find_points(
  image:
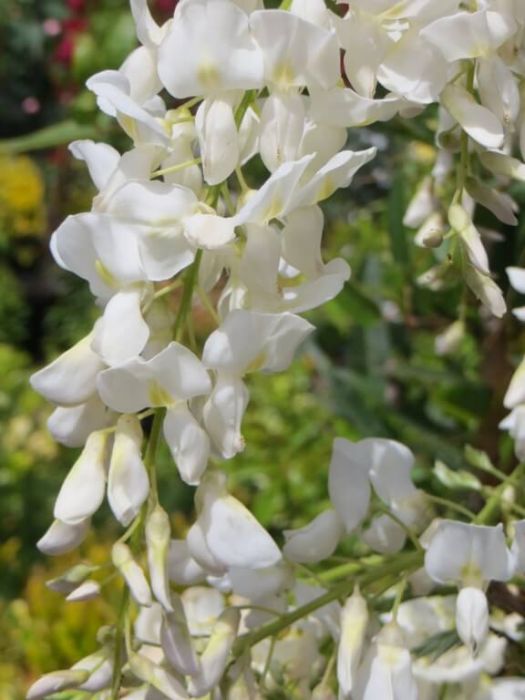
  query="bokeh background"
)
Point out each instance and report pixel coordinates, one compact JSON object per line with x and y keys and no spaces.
{"x":371,"y":368}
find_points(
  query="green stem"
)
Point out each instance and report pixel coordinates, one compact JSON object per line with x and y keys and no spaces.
{"x":492,"y":505}
{"x":187,"y":296}
{"x":176,"y":168}
{"x":398,"y":564}
{"x":151,"y":451}
{"x":464,"y":162}
{"x":119,"y":645}
{"x":248,"y":97}
{"x":451,"y":505}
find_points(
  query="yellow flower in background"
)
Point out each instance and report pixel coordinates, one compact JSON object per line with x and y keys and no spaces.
{"x":22,"y":190}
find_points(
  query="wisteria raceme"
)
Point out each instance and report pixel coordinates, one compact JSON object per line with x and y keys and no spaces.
{"x":226,"y":613}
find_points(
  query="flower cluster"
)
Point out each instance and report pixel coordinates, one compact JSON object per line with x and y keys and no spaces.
{"x":225,"y":612}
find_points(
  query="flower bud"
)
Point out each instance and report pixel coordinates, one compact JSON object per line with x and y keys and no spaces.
{"x":354,"y":621}
{"x":158,"y":534}
{"x":61,"y":537}
{"x":86,"y":591}
{"x":215,"y":656}
{"x":83,"y":489}
{"x":177,"y":643}
{"x":472,"y":617}
{"x":53,"y":682}
{"x":132,"y":573}
{"x":128,"y":483}
{"x":149,"y":672}
{"x":71,"y":579}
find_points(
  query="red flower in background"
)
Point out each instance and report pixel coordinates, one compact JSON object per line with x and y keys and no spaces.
{"x":165,"y":7}
{"x":70,"y":29}
{"x":76,"y":5}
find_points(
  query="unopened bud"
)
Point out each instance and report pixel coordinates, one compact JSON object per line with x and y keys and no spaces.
{"x":158,"y":533}
{"x":132,"y":573}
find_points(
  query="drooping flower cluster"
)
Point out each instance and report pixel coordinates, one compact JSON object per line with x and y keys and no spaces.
{"x":175,"y":214}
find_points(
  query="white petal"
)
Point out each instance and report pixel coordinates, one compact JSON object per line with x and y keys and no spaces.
{"x":387,"y":672}
{"x":177,"y":642}
{"x":315,"y":292}
{"x":174,"y":373}
{"x":501,"y":164}
{"x":133,"y":575}
{"x":156,"y":204}
{"x":54,"y":682}
{"x":365,"y":42}
{"x":390,"y":470}
{"x":100,"y":158}
{"x":249,"y":340}
{"x":516,"y":277}
{"x":180,"y":372}
{"x":486,"y":290}
{"x":296,"y":52}
{"x":86,"y":591}
{"x":259,"y":265}
{"x":70,"y":379}
{"x":148,"y":31}
{"x":128,"y":483}
{"x":61,"y":538}
{"x":469,"y":34}
{"x":515,"y":394}
{"x":164,"y":251}
{"x":72,"y":426}
{"x":273,"y":198}
{"x":472,"y":617}
{"x":218,"y":139}
{"x":301,"y":240}
{"x":348,"y":483}
{"x":223,"y":413}
{"x":384,"y":535}
{"x":315,"y":541}
{"x":282,"y":125}
{"x":208,"y":48}
{"x":498,"y":90}
{"x":82,"y":491}
{"x":518,"y":546}
{"x":338,"y":172}
{"x":479,"y":122}
{"x":345,"y":107}
{"x":215,"y":656}
{"x":188,"y":443}
{"x":200,"y":552}
{"x":157,"y":677}
{"x":126,"y":389}
{"x":418,"y":79}
{"x":158,"y":534}
{"x":259,"y":584}
{"x":232,"y":533}
{"x":209,"y":231}
{"x":115,"y":97}
{"x":354,"y":621}
{"x":501,"y":204}
{"x":183,"y":569}
{"x":122,"y":332}
{"x":468,"y":553}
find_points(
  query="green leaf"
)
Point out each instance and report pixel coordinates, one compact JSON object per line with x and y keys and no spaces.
{"x":456,"y":479}
{"x":437,"y":645}
{"x":48,"y":137}
{"x":396,"y":229}
{"x":478,"y":459}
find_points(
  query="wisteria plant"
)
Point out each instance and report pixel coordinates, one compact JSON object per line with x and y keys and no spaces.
{"x":226,"y":613}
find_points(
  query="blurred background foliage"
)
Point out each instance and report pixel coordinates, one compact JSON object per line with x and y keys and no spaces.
{"x":371,"y":369}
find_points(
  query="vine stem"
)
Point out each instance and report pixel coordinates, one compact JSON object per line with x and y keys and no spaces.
{"x":397,"y":564}
{"x":187,"y":296}
{"x":491,"y":506}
